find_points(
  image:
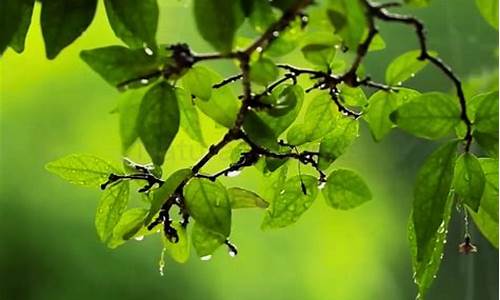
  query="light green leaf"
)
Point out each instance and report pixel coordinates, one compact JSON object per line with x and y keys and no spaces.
{"x":262,"y":15}
{"x":223,"y":105}
{"x":263,"y":71}
{"x":486,"y":225}
{"x":418,"y":3}
{"x":335,"y":143}
{"x":133,"y":21}
{"x":319,"y":54}
{"x":381,"y":105}
{"x":489,"y":11}
{"x":82,"y":169}
{"x":117,"y":64}
{"x":404,"y":67}
{"x":345,"y":190}
{"x":63,"y":22}
{"x":178,"y":251}
{"x":352,"y":96}
{"x":127,"y":227}
{"x":426,"y":269}
{"x":205,"y":241}
{"x":377,"y":43}
{"x":190,"y":121}
{"x":432,"y":115}
{"x":128,"y":108}
{"x":320,"y":117}
{"x":17,"y":41}
{"x":469,"y":180}
{"x":208,"y":203}
{"x":198,"y":81}
{"x":158,"y":120}
{"x":291,"y":202}
{"x":486,"y":115}
{"x":218,"y":31}
{"x":241,"y":198}
{"x":165,"y":191}
{"x":349,"y":21}
{"x":286,"y":42}
{"x":431,"y":191}
{"x":113,"y":202}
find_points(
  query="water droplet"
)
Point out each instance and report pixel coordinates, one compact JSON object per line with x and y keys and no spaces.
{"x":282,"y":192}
{"x":276,"y":33}
{"x":259,"y":49}
{"x":291,"y":207}
{"x":232,"y":253}
{"x":233,"y":173}
{"x":412,"y":75}
{"x":467,"y":177}
{"x":161,"y":263}
{"x":400,"y":83}
{"x":206,"y":257}
{"x":144,"y":81}
{"x":337,"y":46}
{"x":148,"y":51}
{"x":322,"y":185}
{"x":139,"y":238}
{"x":305,"y":19}
{"x":307,"y":204}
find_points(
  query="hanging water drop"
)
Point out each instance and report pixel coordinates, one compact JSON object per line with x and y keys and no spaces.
{"x":139,"y":238}
{"x":161,"y":263}
{"x":321,"y":185}
{"x":144,"y":81}
{"x":206,"y":257}
{"x":276,"y":33}
{"x":259,"y":49}
{"x":233,"y":173}
{"x":148,"y":51}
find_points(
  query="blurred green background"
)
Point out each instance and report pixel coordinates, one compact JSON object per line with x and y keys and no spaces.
{"x":48,"y":245}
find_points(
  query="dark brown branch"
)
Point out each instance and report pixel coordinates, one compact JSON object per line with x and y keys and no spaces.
{"x":227,"y":81}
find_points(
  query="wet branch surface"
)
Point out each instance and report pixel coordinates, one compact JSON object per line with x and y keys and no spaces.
{"x":324,"y":80}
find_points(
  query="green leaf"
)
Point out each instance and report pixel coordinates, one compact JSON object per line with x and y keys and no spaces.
{"x":113,"y":202}
{"x":218,"y":31}
{"x":486,"y":225}
{"x":208,"y":203}
{"x":335,"y":143}
{"x":128,"y":108}
{"x":158,"y":120}
{"x":469,"y":180}
{"x":345,"y":190}
{"x":489,"y":11}
{"x":82,"y":169}
{"x":381,"y":105}
{"x":117,"y":64}
{"x":262,"y":15}
{"x":431,"y":191}
{"x":198,"y":81}
{"x":319,"y":54}
{"x":377,"y":43}
{"x":127,"y":227}
{"x":241,"y":198}
{"x":13,"y":14}
{"x":263,"y":71}
{"x":63,"y":22}
{"x":223,"y":105}
{"x":178,"y":251}
{"x":432,"y":115}
{"x":349,"y":21}
{"x":133,"y":21}
{"x":418,"y":3}
{"x":165,"y":191}
{"x":17,"y":41}
{"x":486,"y":116}
{"x":404,"y":67}
{"x":320,"y":118}
{"x":426,"y":269}
{"x":488,"y":142}
{"x":352,"y":96}
{"x":205,"y":241}
{"x":291,"y":202}
{"x":287,"y":40}
{"x":190,"y":121}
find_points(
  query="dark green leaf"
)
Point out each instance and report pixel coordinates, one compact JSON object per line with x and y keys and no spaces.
{"x":165,"y":191}
{"x":489,"y":11}
{"x":426,"y":269}
{"x":469,"y":180}
{"x":381,"y":105}
{"x":352,"y":96}
{"x":291,"y":202}
{"x":117,"y":64}
{"x":217,"y":21}
{"x":418,"y":3}
{"x":431,"y":194}
{"x":190,"y":121}
{"x":263,"y":71}
{"x":205,"y":241}
{"x":17,"y":41}
{"x":158,"y":120}
{"x":488,"y":142}
{"x":128,"y":108}
{"x":82,"y":169}
{"x":133,"y":21}
{"x":432,"y":115}
{"x":208,"y":203}
{"x":129,"y":225}
{"x":319,"y":54}
{"x":63,"y":22}
{"x":241,"y":198}
{"x":178,"y":251}
{"x":286,"y":42}
{"x":13,"y":12}
{"x":349,"y":21}
{"x":320,"y":118}
{"x":337,"y":141}
{"x":198,"y":81}
{"x":223,"y":105}
{"x":113,"y":202}
{"x":345,"y":190}
{"x":404,"y":67}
